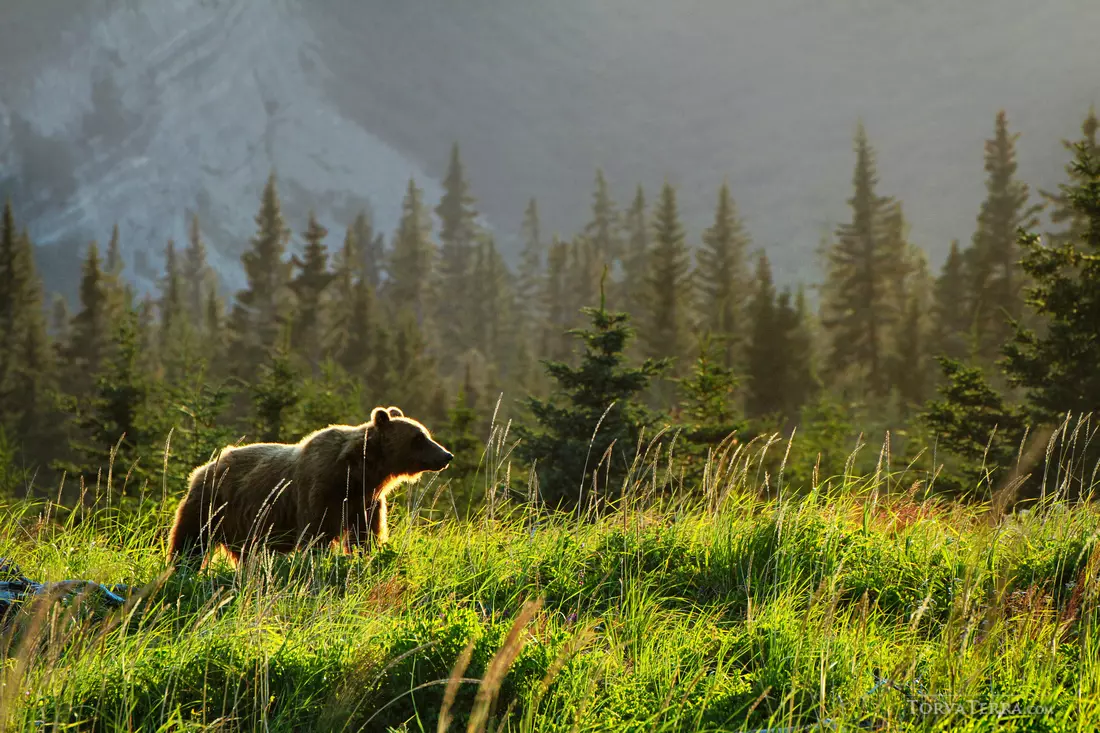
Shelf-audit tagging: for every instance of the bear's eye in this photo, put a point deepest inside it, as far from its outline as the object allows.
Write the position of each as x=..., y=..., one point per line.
x=421, y=440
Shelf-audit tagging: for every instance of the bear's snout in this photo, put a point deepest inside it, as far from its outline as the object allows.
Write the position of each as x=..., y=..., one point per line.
x=445, y=457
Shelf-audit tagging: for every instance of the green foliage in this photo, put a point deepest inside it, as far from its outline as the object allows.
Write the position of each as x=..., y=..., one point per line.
x=556, y=303
x=667, y=325
x=309, y=286
x=274, y=396
x=997, y=282
x=952, y=326
x=1056, y=367
x=977, y=425
x=722, y=277
x=582, y=448
x=114, y=422
x=262, y=310
x=330, y=397
x=864, y=284
x=635, y=259
x=778, y=357
x=709, y=413
x=1063, y=211
x=412, y=258
x=603, y=230
x=199, y=281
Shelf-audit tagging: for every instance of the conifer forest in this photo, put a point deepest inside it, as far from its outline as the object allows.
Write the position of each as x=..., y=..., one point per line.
x=684, y=494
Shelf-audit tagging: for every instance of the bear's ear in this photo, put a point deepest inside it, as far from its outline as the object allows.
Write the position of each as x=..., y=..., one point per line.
x=380, y=417
x=395, y=412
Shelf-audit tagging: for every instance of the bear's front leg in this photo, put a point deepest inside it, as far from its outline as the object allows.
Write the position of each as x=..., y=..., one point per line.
x=357, y=532
x=378, y=525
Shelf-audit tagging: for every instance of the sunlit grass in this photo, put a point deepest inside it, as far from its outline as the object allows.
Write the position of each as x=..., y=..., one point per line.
x=743, y=604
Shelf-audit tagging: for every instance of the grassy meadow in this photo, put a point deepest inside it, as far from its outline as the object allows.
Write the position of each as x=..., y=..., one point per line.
x=858, y=603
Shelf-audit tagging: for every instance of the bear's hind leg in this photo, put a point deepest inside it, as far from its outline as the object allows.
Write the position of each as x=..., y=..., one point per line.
x=185, y=540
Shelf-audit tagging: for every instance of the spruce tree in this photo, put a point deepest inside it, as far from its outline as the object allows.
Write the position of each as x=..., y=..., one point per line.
x=358, y=349
x=595, y=413
x=531, y=266
x=802, y=383
x=912, y=369
x=309, y=286
x=346, y=274
x=722, y=278
x=459, y=434
x=583, y=277
x=60, y=325
x=412, y=259
x=1063, y=213
x=197, y=277
x=173, y=314
x=1057, y=368
x=214, y=334
x=668, y=324
x=766, y=353
x=415, y=381
x=26, y=364
x=997, y=281
x=89, y=334
x=492, y=310
x=709, y=410
x=120, y=295
x=556, y=302
x=604, y=230
x=370, y=249
x=114, y=420
x=263, y=309
x=862, y=295
x=275, y=395
x=632, y=290
x=459, y=235
x=952, y=329
x=10, y=287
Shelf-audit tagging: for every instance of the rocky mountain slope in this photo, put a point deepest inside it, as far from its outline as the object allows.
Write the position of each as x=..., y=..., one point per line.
x=136, y=112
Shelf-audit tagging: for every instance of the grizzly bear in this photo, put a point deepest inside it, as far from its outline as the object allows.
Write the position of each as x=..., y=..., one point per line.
x=329, y=487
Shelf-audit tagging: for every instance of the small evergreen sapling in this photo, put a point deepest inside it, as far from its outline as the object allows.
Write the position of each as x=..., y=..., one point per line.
x=582, y=447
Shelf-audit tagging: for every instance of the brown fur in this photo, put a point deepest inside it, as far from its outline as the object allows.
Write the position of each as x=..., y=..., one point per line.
x=330, y=486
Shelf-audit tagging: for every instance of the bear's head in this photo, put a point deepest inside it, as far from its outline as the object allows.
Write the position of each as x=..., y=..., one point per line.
x=404, y=446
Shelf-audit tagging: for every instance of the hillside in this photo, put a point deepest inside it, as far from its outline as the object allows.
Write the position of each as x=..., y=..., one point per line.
x=885, y=614
x=146, y=110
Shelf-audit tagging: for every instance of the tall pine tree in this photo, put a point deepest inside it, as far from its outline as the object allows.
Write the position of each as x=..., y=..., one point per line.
x=412, y=259
x=1063, y=212
x=370, y=249
x=459, y=235
x=668, y=326
x=262, y=310
x=604, y=230
x=25, y=358
x=632, y=294
x=89, y=334
x=722, y=278
x=531, y=266
x=952, y=328
x=863, y=291
x=197, y=277
x=997, y=282
x=309, y=286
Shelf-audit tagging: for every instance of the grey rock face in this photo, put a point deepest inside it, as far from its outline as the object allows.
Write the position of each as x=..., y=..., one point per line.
x=156, y=110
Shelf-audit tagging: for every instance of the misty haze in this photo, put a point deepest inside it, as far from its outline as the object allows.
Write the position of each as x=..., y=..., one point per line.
x=138, y=113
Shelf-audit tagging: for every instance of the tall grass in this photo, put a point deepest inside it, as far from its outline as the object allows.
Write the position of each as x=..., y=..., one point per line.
x=743, y=603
